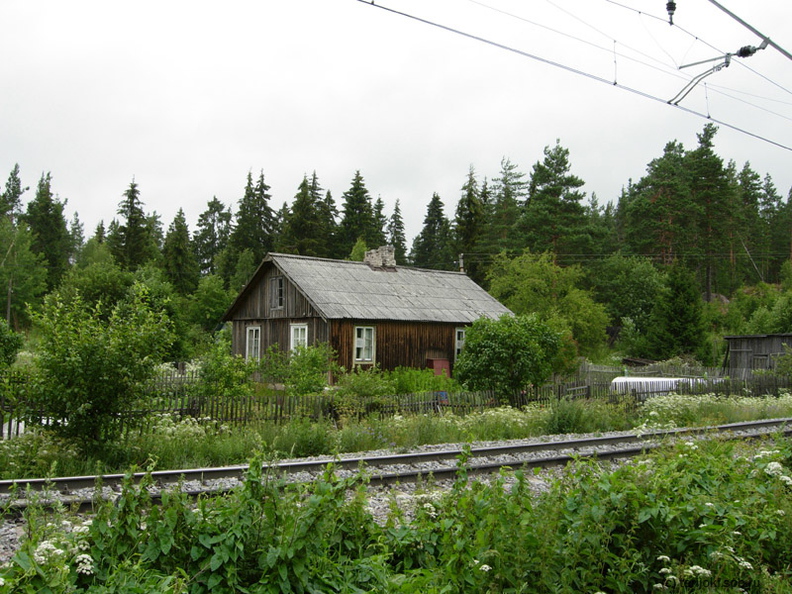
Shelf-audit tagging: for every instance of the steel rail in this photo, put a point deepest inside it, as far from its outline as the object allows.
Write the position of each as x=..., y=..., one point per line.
x=63, y=485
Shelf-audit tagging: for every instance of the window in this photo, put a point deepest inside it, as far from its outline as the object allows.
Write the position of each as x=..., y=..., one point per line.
x=459, y=342
x=299, y=336
x=253, y=343
x=364, y=344
x=276, y=292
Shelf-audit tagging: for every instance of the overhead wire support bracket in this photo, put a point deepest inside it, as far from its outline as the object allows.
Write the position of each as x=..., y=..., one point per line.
x=744, y=52
x=697, y=79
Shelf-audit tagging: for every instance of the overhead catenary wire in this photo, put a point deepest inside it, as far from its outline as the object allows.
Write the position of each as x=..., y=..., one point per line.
x=697, y=38
x=573, y=70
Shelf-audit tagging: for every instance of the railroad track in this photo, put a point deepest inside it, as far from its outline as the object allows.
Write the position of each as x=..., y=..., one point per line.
x=441, y=464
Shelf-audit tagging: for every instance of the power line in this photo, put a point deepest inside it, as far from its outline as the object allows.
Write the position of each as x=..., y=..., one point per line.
x=764, y=37
x=574, y=71
x=697, y=38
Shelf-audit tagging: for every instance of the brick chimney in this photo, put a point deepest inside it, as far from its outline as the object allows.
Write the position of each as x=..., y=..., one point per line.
x=382, y=257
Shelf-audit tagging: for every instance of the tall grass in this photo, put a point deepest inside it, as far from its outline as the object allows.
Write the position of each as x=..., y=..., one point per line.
x=172, y=443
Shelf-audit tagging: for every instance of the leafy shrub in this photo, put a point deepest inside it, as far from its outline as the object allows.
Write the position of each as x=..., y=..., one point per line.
x=92, y=369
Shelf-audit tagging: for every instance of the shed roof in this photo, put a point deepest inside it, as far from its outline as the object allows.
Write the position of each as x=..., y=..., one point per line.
x=340, y=289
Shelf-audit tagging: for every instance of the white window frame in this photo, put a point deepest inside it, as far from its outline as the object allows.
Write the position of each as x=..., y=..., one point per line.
x=459, y=341
x=253, y=342
x=365, y=345
x=298, y=336
x=277, y=292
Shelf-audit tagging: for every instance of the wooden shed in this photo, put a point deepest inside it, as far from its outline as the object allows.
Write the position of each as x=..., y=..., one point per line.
x=371, y=312
x=744, y=354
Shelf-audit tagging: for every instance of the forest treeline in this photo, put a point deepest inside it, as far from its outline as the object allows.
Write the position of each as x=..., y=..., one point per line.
x=721, y=232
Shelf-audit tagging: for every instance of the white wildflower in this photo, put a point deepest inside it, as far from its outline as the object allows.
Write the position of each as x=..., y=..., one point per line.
x=485, y=567
x=745, y=564
x=774, y=469
x=664, y=558
x=665, y=570
x=780, y=512
x=697, y=571
x=430, y=510
x=84, y=564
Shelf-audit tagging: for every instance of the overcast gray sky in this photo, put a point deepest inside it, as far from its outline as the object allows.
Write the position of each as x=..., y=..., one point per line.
x=188, y=97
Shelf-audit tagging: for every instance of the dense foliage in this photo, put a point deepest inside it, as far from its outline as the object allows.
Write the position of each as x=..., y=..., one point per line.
x=696, y=516
x=508, y=355
x=727, y=226
x=91, y=366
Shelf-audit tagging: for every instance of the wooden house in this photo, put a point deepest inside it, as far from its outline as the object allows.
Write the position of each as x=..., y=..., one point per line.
x=370, y=313
x=745, y=354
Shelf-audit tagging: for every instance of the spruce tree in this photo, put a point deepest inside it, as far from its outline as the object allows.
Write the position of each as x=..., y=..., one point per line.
x=677, y=326
x=432, y=246
x=503, y=204
x=131, y=241
x=468, y=227
x=179, y=262
x=380, y=222
x=330, y=229
x=358, y=219
x=44, y=216
x=396, y=234
x=302, y=229
x=211, y=235
x=254, y=221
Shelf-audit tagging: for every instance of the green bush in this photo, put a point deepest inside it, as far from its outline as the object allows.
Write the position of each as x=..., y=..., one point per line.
x=92, y=368
x=698, y=516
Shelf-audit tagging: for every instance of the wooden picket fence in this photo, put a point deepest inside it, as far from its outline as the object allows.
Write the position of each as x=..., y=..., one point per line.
x=183, y=394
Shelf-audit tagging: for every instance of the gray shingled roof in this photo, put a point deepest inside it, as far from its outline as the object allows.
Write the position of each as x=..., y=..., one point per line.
x=353, y=290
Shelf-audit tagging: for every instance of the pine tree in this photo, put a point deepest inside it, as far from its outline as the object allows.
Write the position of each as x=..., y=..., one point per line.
x=432, y=246
x=211, y=235
x=751, y=236
x=11, y=196
x=777, y=215
x=657, y=214
x=554, y=218
x=44, y=216
x=179, y=262
x=713, y=196
x=358, y=219
x=396, y=235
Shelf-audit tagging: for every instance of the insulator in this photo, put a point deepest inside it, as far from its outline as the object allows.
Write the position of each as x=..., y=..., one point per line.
x=746, y=51
x=671, y=8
